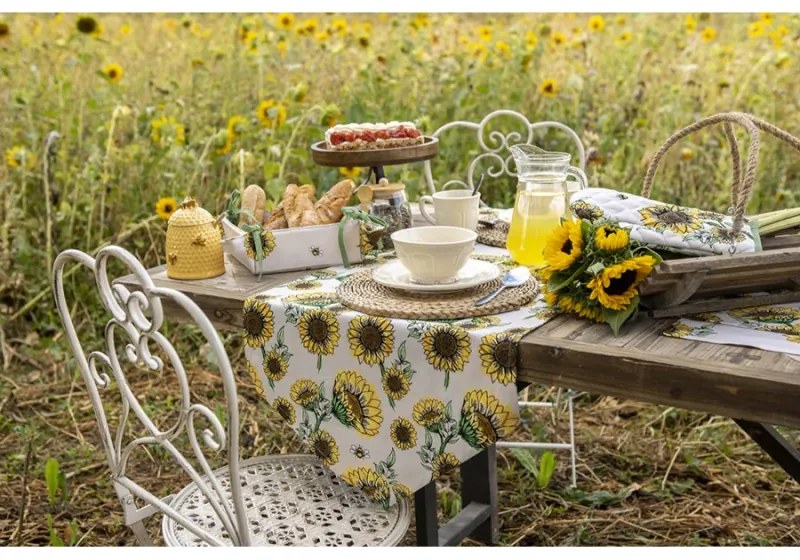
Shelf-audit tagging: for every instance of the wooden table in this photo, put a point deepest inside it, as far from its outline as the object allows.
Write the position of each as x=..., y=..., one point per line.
x=757, y=388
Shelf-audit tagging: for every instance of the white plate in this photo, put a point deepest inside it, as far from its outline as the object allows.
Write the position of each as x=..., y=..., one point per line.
x=394, y=275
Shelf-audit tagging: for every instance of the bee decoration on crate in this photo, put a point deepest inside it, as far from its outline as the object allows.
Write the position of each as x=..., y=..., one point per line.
x=316, y=251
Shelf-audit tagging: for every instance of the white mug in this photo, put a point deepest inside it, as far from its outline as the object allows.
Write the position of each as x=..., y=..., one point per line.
x=456, y=208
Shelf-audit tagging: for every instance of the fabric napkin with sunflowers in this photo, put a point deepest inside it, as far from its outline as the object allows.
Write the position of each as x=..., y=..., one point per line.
x=387, y=404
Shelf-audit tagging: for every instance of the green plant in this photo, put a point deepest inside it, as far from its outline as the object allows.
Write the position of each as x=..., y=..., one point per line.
x=56, y=482
x=70, y=533
x=543, y=471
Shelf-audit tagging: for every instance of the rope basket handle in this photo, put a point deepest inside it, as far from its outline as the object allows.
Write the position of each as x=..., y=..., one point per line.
x=743, y=180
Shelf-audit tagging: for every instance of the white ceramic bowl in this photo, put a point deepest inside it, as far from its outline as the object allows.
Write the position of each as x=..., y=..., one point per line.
x=434, y=254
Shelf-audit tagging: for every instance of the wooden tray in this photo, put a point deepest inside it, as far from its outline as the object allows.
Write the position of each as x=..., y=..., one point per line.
x=372, y=158
x=700, y=284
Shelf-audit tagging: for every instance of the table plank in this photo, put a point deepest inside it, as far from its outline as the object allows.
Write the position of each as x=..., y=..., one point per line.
x=641, y=364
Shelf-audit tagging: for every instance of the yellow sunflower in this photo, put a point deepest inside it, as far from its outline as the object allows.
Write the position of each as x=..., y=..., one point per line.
x=305, y=392
x=312, y=299
x=258, y=323
x=480, y=322
x=267, y=244
x=339, y=25
x=446, y=347
x=113, y=72
x=19, y=156
x=371, y=339
x=623, y=38
x=395, y=383
x=319, y=331
x=428, y=412
x=444, y=464
x=350, y=172
x=166, y=130
x=563, y=246
x=403, y=433
x=270, y=113
x=498, y=354
x=708, y=34
x=304, y=285
x=484, y=419
x=166, y=206
x=485, y=33
x=375, y=486
x=586, y=210
x=355, y=403
x=275, y=366
x=88, y=26
x=285, y=409
x=253, y=372
x=557, y=39
x=401, y=490
x=610, y=238
x=767, y=314
x=676, y=219
x=549, y=87
x=324, y=447
x=615, y=286
x=679, y=330
x=597, y=23
x=285, y=21
x=581, y=308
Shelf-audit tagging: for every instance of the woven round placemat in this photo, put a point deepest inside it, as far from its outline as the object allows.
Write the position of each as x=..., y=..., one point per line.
x=493, y=235
x=360, y=292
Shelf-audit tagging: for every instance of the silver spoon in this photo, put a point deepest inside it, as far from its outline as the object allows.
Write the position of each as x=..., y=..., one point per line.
x=478, y=186
x=513, y=278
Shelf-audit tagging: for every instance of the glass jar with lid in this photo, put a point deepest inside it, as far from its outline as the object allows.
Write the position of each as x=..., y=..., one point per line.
x=389, y=202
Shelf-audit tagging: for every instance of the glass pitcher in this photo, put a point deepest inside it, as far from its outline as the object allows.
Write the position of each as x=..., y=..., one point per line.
x=542, y=200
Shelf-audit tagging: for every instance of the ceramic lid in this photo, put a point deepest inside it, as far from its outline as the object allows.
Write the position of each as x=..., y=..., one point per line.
x=190, y=214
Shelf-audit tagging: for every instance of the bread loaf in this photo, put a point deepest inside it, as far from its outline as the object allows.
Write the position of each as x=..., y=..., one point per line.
x=298, y=204
x=276, y=219
x=254, y=200
x=329, y=207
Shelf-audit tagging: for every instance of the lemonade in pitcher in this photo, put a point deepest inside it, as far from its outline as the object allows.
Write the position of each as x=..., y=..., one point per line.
x=541, y=201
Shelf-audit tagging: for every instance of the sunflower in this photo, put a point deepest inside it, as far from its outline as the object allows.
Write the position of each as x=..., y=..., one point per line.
x=676, y=219
x=502, y=48
x=19, y=156
x=270, y=113
x=563, y=246
x=615, y=286
x=305, y=392
x=285, y=21
x=88, y=26
x=401, y=490
x=755, y=29
x=166, y=130
x=549, y=87
x=726, y=235
x=339, y=25
x=498, y=354
x=597, y=23
x=235, y=124
x=446, y=347
x=444, y=464
x=484, y=419
x=531, y=40
x=558, y=39
x=166, y=206
x=5, y=30
x=303, y=285
x=253, y=372
x=485, y=33
x=395, y=383
x=319, y=331
x=623, y=38
x=371, y=339
x=586, y=210
x=113, y=72
x=581, y=308
x=285, y=409
x=691, y=24
x=350, y=172
x=610, y=238
x=403, y=433
x=679, y=330
x=267, y=244
x=324, y=447
x=312, y=299
x=480, y=322
x=258, y=323
x=275, y=365
x=368, y=238
x=767, y=314
x=375, y=486
x=708, y=34
x=428, y=412
x=355, y=403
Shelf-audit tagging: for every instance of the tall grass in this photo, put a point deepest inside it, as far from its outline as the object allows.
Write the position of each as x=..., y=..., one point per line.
x=167, y=126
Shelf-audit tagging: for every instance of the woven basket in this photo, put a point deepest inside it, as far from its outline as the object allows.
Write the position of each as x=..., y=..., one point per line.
x=194, y=244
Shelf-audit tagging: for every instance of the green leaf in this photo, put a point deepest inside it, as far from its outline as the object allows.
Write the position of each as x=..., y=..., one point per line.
x=615, y=319
x=547, y=465
x=526, y=460
x=554, y=284
x=51, y=471
x=401, y=351
x=55, y=540
x=596, y=268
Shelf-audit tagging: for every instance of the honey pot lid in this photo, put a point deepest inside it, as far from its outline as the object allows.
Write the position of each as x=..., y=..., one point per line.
x=190, y=214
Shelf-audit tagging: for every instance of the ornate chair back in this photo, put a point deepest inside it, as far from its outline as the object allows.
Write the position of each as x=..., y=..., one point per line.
x=494, y=140
x=136, y=318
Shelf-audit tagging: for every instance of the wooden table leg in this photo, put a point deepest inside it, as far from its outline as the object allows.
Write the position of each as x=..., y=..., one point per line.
x=479, y=487
x=775, y=445
x=425, y=512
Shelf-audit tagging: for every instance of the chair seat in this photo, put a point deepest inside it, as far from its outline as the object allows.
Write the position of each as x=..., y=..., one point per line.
x=292, y=500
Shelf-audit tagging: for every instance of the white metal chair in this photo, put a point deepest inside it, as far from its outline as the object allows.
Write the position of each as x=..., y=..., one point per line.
x=275, y=500
x=494, y=143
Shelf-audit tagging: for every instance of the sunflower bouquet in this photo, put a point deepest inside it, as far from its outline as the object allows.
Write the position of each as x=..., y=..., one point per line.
x=594, y=270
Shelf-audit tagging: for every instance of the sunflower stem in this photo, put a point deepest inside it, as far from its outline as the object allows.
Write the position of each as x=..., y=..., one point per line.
x=319, y=363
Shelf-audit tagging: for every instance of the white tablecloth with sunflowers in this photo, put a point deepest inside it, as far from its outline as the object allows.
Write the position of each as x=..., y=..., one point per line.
x=388, y=405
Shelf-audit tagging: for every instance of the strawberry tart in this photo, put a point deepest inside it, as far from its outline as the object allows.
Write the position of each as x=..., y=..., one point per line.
x=372, y=136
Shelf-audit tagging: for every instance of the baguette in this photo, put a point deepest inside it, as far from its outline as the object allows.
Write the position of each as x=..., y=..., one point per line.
x=298, y=205
x=254, y=200
x=277, y=219
x=329, y=207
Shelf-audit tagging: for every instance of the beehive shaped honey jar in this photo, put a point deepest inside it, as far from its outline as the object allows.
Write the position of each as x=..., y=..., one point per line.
x=194, y=244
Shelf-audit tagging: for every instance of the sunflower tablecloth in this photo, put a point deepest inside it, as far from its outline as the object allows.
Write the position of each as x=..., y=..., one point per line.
x=771, y=327
x=388, y=405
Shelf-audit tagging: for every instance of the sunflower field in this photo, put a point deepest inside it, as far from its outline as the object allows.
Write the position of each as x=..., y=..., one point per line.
x=108, y=120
